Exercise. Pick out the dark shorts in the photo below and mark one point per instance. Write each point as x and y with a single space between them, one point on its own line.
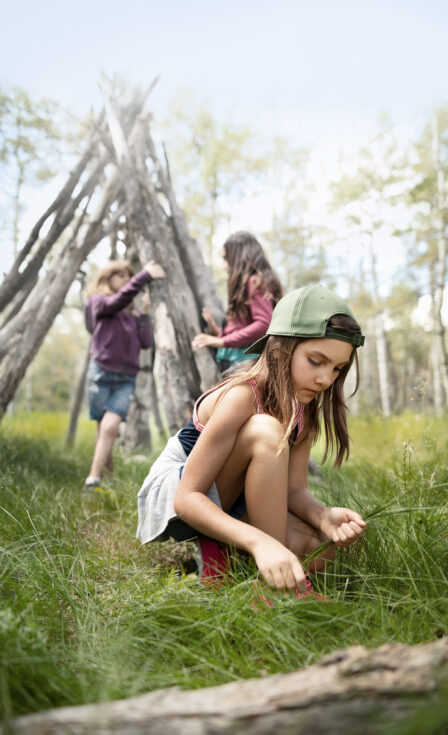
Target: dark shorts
181 531
109 392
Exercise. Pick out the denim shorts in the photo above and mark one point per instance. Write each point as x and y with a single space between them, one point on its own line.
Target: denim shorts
109 392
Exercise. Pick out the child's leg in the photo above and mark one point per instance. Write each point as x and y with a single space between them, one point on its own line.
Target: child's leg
303 539
256 465
106 434
109 463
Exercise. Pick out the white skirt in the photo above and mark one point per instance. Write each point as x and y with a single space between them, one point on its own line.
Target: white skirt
156 497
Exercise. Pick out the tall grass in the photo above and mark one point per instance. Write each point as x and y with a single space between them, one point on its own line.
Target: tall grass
88 615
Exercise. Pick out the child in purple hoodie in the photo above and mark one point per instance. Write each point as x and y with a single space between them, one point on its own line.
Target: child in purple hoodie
118 332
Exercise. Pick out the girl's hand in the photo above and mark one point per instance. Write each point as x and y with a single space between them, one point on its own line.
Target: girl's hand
207 340
342 525
279 566
154 269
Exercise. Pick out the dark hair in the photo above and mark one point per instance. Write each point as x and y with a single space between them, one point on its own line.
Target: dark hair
272 373
331 403
245 257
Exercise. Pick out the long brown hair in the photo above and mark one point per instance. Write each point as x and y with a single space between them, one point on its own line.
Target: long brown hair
245 257
272 374
100 282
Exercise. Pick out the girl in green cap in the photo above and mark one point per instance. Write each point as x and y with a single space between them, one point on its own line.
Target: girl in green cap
237 473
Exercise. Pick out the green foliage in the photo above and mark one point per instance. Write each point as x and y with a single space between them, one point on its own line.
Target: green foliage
381 183
35 136
29 140
24 124
212 163
216 166
425 193
88 614
296 249
53 375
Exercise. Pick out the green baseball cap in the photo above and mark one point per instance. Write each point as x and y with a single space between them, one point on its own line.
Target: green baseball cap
306 312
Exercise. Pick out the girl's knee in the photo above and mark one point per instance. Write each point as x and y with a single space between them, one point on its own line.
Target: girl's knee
319 563
314 540
265 433
110 424
302 538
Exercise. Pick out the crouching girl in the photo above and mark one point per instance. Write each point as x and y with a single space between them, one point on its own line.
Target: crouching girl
237 473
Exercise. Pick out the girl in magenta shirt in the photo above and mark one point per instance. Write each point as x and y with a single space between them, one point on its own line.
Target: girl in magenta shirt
253 290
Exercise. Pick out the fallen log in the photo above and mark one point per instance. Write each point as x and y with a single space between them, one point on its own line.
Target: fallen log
356 690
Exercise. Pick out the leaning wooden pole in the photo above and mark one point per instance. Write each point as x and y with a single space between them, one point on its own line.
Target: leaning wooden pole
21 338
184 372
195 267
77 400
61 213
87 207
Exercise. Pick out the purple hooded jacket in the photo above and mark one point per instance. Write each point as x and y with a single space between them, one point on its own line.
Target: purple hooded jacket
118 335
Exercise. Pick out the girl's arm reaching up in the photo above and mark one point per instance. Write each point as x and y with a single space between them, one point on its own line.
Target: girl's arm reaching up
343 526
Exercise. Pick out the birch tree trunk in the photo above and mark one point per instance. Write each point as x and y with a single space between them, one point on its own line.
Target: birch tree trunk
367 367
383 373
435 358
380 340
439 351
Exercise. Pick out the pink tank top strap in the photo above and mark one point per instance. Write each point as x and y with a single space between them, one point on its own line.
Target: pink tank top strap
197 424
299 417
254 388
298 421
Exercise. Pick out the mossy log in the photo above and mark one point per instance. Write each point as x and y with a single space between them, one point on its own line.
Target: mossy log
352 691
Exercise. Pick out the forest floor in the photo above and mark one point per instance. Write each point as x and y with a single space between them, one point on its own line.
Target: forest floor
87 614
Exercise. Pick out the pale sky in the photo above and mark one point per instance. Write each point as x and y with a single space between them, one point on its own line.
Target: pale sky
320 71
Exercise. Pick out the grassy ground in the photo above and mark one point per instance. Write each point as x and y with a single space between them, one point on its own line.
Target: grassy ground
88 615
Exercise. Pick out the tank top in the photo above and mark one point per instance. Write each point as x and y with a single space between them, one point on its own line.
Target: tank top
189 435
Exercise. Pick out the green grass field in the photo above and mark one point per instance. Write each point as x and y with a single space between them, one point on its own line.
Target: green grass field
87 614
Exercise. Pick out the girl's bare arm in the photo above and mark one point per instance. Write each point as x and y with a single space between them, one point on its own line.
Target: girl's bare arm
204 464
